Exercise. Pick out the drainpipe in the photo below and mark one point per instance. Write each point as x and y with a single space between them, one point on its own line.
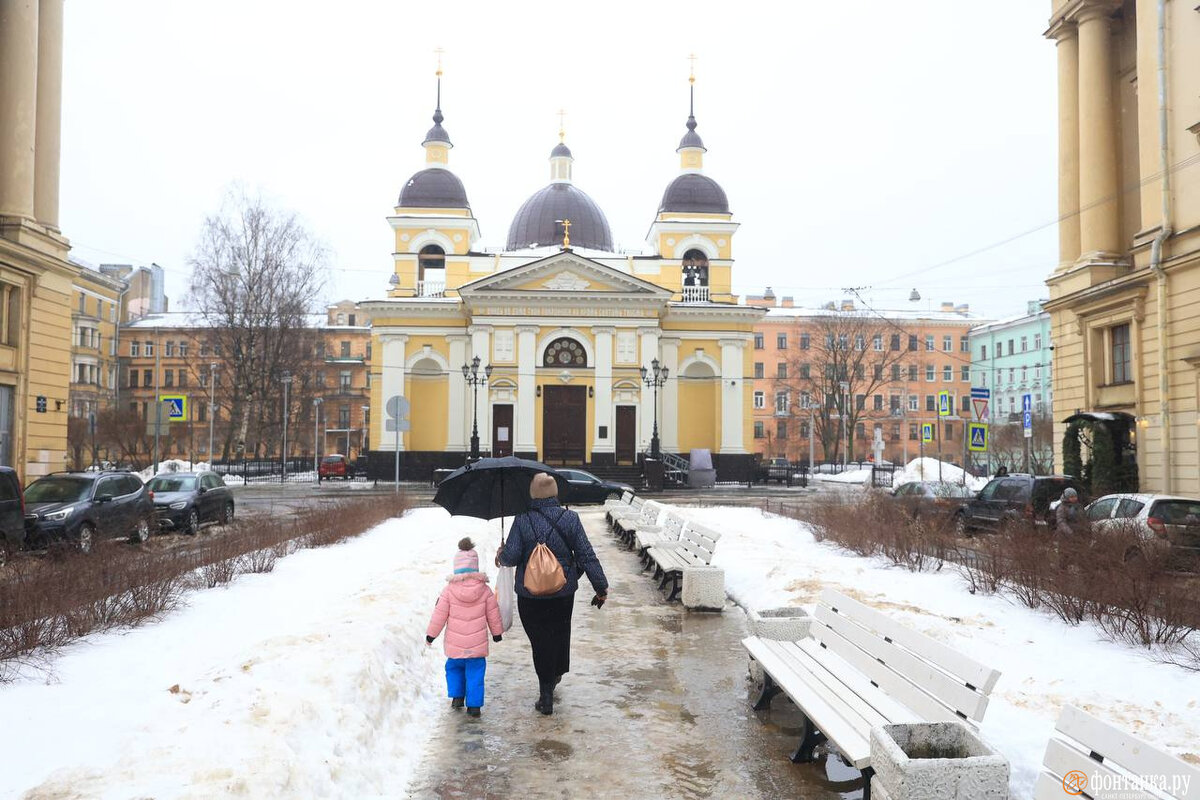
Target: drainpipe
1156 250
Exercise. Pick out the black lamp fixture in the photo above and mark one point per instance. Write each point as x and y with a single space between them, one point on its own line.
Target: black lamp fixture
655 377
474 379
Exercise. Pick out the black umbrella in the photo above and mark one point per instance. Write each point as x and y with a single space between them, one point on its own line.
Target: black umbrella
492 487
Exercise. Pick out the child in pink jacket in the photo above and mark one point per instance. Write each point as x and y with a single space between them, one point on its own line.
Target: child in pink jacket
467 609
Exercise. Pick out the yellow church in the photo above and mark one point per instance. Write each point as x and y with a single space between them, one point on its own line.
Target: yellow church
547 348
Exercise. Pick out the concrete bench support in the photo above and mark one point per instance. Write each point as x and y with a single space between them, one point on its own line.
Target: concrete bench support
785 624
703 588
935 761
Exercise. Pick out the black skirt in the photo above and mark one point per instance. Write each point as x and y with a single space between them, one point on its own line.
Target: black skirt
547 623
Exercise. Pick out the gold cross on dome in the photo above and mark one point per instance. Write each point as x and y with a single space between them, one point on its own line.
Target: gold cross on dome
562 128
691 67
438 52
566 223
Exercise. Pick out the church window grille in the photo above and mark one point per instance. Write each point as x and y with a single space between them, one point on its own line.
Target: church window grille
564 352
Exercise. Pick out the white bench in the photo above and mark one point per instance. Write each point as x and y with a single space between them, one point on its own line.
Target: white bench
672 529
620 512
669 561
858 669
1113 764
621 502
647 520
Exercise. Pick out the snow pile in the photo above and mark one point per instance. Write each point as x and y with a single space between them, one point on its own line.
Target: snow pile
926 469
849 476
311 681
173 465
773 561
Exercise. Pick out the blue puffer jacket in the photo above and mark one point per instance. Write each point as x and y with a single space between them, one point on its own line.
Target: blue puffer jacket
534 526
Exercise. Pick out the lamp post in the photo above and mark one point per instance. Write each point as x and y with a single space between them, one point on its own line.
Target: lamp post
286 380
845 387
474 380
212 407
316 442
655 377
362 441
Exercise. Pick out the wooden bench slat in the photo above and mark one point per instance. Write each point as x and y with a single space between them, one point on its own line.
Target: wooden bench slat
891 682
868 701
844 672
943 687
853 742
865 715
949 659
1061 759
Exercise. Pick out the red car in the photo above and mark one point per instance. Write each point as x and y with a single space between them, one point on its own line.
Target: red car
335 465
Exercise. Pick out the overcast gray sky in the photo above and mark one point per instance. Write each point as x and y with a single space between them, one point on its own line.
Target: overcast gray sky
860 143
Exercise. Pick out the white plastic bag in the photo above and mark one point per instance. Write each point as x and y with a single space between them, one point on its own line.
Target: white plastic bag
506 594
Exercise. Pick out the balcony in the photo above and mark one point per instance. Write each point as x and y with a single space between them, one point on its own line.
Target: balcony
695 294
331 358
431 288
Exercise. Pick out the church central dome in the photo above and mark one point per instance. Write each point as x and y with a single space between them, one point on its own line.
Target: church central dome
538 222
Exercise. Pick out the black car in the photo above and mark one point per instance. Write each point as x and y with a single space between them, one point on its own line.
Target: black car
584 487
1015 498
183 501
12 513
79 507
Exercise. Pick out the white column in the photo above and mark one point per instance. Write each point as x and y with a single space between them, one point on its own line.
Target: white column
18 105
649 340
524 440
393 385
457 420
603 376
49 112
732 390
668 423
481 345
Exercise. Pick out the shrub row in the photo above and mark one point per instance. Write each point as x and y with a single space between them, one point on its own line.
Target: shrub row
48 602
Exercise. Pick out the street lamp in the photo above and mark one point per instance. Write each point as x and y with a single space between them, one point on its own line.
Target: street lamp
286 380
362 442
474 379
655 377
316 442
845 387
212 407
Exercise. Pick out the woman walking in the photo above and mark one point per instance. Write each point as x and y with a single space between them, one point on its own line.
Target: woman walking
547 618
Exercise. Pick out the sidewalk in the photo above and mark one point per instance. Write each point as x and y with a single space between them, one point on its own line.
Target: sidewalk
656 704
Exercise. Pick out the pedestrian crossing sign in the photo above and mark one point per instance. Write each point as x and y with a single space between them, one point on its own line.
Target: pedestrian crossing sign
945 408
977 437
926 431
178 406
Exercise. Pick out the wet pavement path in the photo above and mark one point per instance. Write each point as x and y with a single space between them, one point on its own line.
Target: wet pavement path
656 705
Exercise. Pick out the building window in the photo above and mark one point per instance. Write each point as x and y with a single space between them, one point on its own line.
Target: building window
930 402
1011 349
148 348
204 348
895 372
930 372
1037 341
344 417
877 342
135 349
843 341
949 431
758 369
895 343
321 380
912 372
781 369
805 399
170 350
133 373
344 383
912 431
1119 339
352 321
805 371
983 352
878 372
168 378
1024 344
1037 372
947 344
183 348
804 433
947 372
565 352
760 400
895 431
860 402
1012 372
345 349
1024 374
966 403
758 429
928 342
781 341
912 342
758 341
781 402
781 429
805 341
879 402
964 344
860 431
695 268
147 377
431 257
183 378
860 343
965 372
860 371
914 403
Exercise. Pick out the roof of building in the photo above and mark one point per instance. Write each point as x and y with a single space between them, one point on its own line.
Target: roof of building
884 313
538 221
694 193
561 151
437 133
691 138
182 320
434 187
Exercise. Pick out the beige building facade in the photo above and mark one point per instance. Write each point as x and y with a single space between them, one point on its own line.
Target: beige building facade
37 283
1125 298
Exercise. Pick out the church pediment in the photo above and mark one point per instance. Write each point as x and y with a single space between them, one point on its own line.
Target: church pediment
563 272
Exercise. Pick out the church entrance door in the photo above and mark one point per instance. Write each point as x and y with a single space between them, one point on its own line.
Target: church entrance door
564 424
626 434
502 430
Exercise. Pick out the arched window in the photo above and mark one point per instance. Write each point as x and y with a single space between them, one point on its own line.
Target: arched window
695 268
564 352
431 257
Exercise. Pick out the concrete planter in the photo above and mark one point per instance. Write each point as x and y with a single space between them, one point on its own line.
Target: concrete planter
935 761
786 624
703 588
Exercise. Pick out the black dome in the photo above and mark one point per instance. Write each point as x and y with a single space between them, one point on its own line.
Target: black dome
561 151
535 222
695 193
434 188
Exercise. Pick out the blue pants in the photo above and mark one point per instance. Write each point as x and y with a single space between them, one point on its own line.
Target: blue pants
464 678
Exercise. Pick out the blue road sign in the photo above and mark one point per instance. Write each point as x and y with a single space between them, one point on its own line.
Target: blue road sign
1027 403
1027 419
981 392
944 407
977 437
177 412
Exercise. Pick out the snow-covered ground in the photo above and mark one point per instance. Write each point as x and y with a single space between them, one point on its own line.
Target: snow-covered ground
310 681
919 469
774 561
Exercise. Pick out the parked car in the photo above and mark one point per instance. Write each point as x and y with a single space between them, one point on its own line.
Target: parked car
12 513
941 499
584 487
184 501
1158 520
80 507
335 465
1015 498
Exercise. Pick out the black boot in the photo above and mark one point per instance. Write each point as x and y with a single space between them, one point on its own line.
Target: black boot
473 711
456 702
545 703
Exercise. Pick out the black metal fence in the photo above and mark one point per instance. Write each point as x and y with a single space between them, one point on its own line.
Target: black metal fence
293 470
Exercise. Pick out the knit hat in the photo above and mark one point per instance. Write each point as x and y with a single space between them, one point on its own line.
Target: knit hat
1069 494
466 559
543 486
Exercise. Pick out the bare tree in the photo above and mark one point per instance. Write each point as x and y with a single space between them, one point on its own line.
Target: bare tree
1007 446
257 273
837 362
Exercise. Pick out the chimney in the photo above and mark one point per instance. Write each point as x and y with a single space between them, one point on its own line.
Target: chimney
847 305
1033 307
787 302
948 307
963 308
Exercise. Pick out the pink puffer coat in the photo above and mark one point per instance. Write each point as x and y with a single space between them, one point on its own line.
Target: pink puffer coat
468 611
